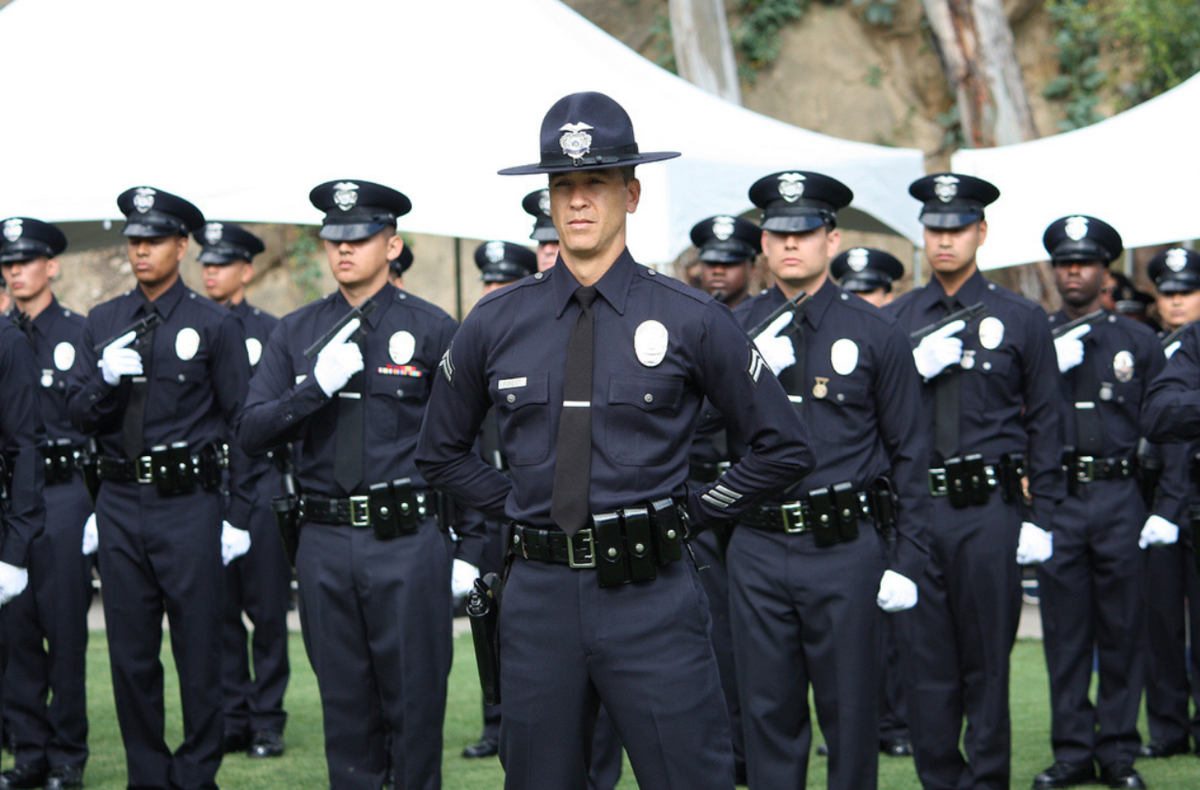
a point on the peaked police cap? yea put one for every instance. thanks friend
(151, 213)
(24, 238)
(223, 243)
(1081, 238)
(356, 209)
(796, 201)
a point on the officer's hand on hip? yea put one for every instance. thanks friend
(462, 578)
(116, 360)
(1158, 532)
(1069, 347)
(339, 360)
(776, 351)
(939, 350)
(234, 542)
(91, 536)
(897, 592)
(1035, 544)
(13, 581)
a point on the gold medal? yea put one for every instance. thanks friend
(821, 388)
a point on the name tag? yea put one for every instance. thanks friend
(508, 384)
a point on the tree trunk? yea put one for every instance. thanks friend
(703, 50)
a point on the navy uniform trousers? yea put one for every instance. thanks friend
(957, 643)
(163, 554)
(1173, 594)
(258, 583)
(807, 615)
(376, 618)
(1092, 593)
(47, 638)
(645, 647)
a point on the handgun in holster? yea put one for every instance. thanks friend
(883, 503)
(483, 609)
(89, 467)
(286, 508)
(394, 508)
(173, 471)
(212, 460)
(1149, 470)
(446, 509)
(966, 481)
(1011, 471)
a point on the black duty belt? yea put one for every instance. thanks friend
(968, 481)
(61, 461)
(831, 514)
(706, 473)
(173, 469)
(392, 509)
(1086, 468)
(624, 546)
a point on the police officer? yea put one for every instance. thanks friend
(537, 205)
(160, 401)
(260, 583)
(868, 272)
(375, 550)
(1173, 586)
(399, 265)
(597, 436)
(47, 627)
(809, 569)
(727, 249)
(991, 403)
(1092, 590)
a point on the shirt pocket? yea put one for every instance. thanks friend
(524, 418)
(182, 384)
(396, 404)
(641, 424)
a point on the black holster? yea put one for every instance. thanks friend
(1149, 470)
(967, 481)
(883, 501)
(1010, 472)
(89, 467)
(483, 608)
(174, 472)
(287, 517)
(394, 509)
(59, 462)
(631, 543)
(211, 463)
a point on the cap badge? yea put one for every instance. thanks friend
(722, 227)
(345, 195)
(791, 186)
(576, 142)
(1176, 258)
(212, 232)
(544, 201)
(494, 251)
(12, 229)
(143, 199)
(945, 187)
(857, 259)
(1076, 228)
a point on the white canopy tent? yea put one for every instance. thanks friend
(1138, 171)
(242, 106)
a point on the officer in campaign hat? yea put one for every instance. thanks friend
(47, 625)
(992, 409)
(819, 592)
(537, 205)
(868, 272)
(159, 375)
(348, 378)
(399, 265)
(260, 583)
(1093, 589)
(727, 249)
(599, 598)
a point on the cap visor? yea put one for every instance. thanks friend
(1176, 285)
(214, 258)
(638, 159)
(545, 234)
(351, 232)
(140, 229)
(725, 257)
(861, 284)
(949, 220)
(793, 223)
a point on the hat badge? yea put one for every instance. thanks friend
(722, 227)
(143, 199)
(945, 187)
(345, 195)
(213, 232)
(1076, 228)
(544, 201)
(1176, 258)
(576, 142)
(791, 186)
(857, 259)
(494, 251)
(12, 229)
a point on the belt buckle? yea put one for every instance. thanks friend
(589, 560)
(360, 511)
(144, 469)
(793, 518)
(1085, 468)
(937, 483)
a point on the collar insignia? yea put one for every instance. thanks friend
(345, 195)
(791, 186)
(143, 199)
(12, 229)
(722, 227)
(576, 142)
(1076, 228)
(945, 187)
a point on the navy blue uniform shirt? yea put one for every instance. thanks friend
(55, 337)
(1009, 401)
(258, 326)
(1171, 411)
(197, 371)
(21, 435)
(660, 348)
(861, 398)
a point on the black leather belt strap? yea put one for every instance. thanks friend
(352, 511)
(554, 546)
(792, 517)
(1085, 468)
(123, 470)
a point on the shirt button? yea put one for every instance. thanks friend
(987, 365)
(399, 393)
(649, 398)
(181, 377)
(511, 398)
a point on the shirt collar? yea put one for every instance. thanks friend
(383, 298)
(967, 295)
(814, 307)
(45, 319)
(613, 286)
(165, 303)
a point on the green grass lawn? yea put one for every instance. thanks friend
(304, 764)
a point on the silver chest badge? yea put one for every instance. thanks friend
(213, 232)
(1176, 259)
(857, 259)
(576, 141)
(991, 333)
(64, 356)
(1076, 228)
(345, 195)
(945, 187)
(12, 228)
(143, 199)
(650, 343)
(401, 347)
(494, 251)
(1123, 366)
(791, 186)
(187, 343)
(253, 350)
(844, 356)
(722, 228)
(544, 201)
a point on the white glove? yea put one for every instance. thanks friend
(897, 592)
(13, 581)
(1035, 544)
(91, 536)
(777, 351)
(1171, 349)
(234, 542)
(1069, 347)
(462, 578)
(1158, 532)
(116, 360)
(938, 350)
(339, 360)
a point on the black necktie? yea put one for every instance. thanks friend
(573, 459)
(1087, 421)
(134, 421)
(348, 441)
(945, 402)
